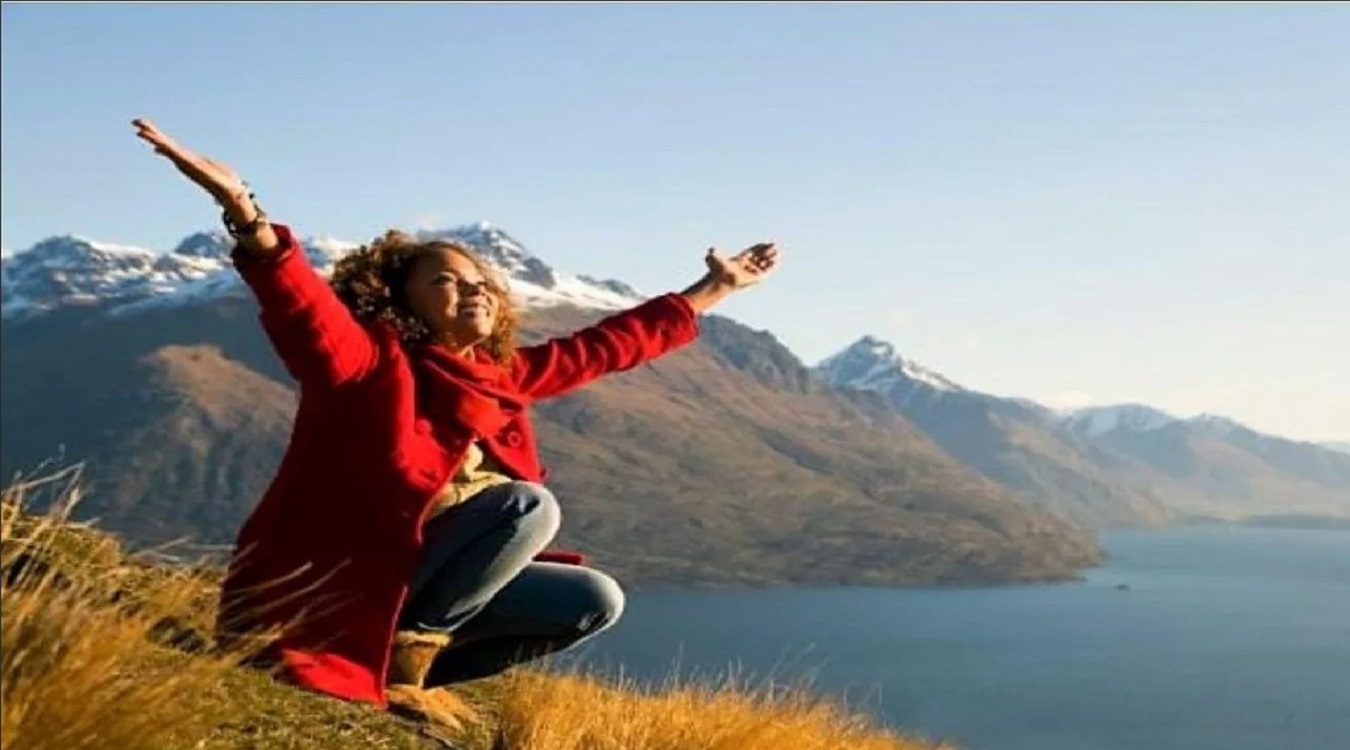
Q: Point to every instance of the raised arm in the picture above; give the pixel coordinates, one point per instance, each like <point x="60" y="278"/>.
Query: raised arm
<point x="627" y="339"/>
<point x="317" y="338"/>
<point x="617" y="343"/>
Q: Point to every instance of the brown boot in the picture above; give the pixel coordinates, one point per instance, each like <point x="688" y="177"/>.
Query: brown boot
<point x="409" y="663"/>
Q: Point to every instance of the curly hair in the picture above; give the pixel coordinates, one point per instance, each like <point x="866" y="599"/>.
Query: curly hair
<point x="371" y="281"/>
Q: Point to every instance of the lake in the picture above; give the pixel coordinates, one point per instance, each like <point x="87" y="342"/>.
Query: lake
<point x="1226" y="639"/>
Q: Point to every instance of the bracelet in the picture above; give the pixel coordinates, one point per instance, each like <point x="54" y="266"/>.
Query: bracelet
<point x="239" y="231"/>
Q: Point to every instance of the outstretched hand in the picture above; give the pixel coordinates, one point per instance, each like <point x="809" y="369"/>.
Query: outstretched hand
<point x="244" y="219"/>
<point x="221" y="182"/>
<point x="744" y="268"/>
<point x="726" y="275"/>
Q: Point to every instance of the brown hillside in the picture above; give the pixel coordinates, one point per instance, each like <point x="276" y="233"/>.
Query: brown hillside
<point x="724" y="462"/>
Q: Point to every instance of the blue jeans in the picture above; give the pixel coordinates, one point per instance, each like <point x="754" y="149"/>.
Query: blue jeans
<point x="476" y="579"/>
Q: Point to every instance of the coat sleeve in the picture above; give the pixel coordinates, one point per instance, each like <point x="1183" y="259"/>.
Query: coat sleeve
<point x="316" y="336"/>
<point x="619" y="342"/>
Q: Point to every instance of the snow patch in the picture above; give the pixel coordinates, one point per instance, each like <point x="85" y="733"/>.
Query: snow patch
<point x="1099" y="420"/>
<point x="871" y="364"/>
<point x="75" y="270"/>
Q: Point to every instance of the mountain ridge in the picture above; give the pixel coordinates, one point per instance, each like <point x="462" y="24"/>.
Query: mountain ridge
<point x="70" y="269"/>
<point x="1103" y="467"/>
<point x="729" y="460"/>
<point x="1150" y="467"/>
<point x="199" y="265"/>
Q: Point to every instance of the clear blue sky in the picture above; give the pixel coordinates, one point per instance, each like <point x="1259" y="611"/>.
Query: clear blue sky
<point x="1090" y="203"/>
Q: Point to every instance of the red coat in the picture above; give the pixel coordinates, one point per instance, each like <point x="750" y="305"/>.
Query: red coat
<point x="337" y="534"/>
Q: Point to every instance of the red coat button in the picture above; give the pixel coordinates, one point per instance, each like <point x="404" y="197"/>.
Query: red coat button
<point x="513" y="439"/>
<point x="422" y="427"/>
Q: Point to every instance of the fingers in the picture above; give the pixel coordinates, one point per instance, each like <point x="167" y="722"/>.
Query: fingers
<point x="146" y="131"/>
<point x="164" y="145"/>
<point x="760" y="250"/>
<point x="760" y="257"/>
<point x="217" y="179"/>
<point x="746" y="267"/>
<point x="144" y="126"/>
<point x="765" y="258"/>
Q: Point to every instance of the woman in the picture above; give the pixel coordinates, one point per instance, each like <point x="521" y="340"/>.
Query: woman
<point x="399" y="546"/>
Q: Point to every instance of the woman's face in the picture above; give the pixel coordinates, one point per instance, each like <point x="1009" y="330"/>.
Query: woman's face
<point x="448" y="291"/>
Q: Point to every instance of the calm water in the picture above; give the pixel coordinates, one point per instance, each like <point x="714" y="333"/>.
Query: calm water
<point x="1227" y="639"/>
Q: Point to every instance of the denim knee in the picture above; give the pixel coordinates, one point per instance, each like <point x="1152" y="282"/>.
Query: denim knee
<point x="602" y="602"/>
<point x="535" y="509"/>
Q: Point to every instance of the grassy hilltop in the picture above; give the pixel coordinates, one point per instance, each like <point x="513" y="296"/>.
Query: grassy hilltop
<point x="109" y="651"/>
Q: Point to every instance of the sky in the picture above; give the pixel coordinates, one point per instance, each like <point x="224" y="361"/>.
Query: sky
<point x="1081" y="204"/>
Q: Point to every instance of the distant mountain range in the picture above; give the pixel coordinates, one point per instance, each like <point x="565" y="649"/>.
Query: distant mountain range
<point x="68" y="270"/>
<point x="731" y="461"/>
<point x="1106" y="466"/>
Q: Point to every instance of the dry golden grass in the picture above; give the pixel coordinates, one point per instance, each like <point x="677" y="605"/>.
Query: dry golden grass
<point x="579" y="712"/>
<point x="81" y="667"/>
<point x="84" y="664"/>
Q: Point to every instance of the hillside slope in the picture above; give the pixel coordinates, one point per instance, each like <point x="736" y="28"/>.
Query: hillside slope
<point x="723" y="463"/>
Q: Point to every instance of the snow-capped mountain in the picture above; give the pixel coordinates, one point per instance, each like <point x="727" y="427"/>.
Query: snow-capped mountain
<point x="1095" y="421"/>
<point x="531" y="277"/>
<point x="1339" y="447"/>
<point x="70" y="270"/>
<point x="870" y="364"/>
<point x="1125" y="464"/>
<point x="1014" y="442"/>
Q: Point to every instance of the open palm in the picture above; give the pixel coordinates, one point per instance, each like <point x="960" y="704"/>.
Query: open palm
<point x="215" y="178"/>
<point x="744" y="268"/>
